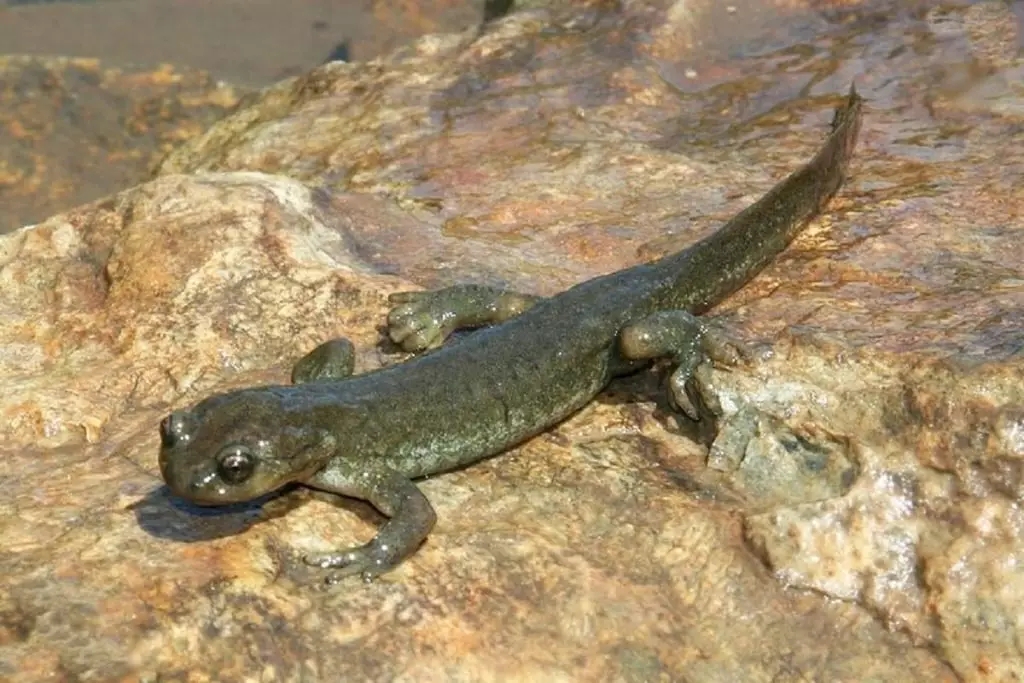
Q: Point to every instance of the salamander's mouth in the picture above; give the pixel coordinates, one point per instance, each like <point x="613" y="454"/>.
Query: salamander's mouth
<point x="167" y="472"/>
<point x="205" y="503"/>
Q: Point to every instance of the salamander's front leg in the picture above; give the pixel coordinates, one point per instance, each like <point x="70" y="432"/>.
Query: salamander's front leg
<point x="334" y="359"/>
<point x="410" y="520"/>
<point x="423" y="320"/>
<point x="683" y="337"/>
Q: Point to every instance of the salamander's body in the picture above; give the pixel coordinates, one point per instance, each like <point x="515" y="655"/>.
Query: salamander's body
<point x="370" y="435"/>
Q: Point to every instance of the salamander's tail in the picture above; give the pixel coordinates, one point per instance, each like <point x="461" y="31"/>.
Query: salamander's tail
<point x="721" y="263"/>
<point x="834" y="158"/>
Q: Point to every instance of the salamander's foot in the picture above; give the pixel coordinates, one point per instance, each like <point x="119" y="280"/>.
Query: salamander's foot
<point x="420" y="321"/>
<point x="688" y="340"/>
<point x="368" y="561"/>
<point x="715" y="347"/>
<point x="423" y="320"/>
<point x="335" y="359"/>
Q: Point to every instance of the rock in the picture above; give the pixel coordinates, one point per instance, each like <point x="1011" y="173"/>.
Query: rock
<point x="340" y="53"/>
<point x="883" y="382"/>
<point x="74" y="130"/>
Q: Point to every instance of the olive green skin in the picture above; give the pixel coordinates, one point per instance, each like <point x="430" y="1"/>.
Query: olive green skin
<point x="370" y="435"/>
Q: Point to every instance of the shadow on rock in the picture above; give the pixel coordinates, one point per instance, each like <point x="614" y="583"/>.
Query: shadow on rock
<point x="163" y="515"/>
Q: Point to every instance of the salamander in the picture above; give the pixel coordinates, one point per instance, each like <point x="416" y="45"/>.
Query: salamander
<point x="534" y="362"/>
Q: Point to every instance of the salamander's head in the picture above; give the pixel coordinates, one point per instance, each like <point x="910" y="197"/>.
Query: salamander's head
<point x="238" y="446"/>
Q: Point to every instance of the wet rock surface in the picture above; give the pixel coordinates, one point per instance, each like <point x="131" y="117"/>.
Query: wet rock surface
<point x="848" y="510"/>
<point x="245" y="42"/>
<point x="74" y="130"/>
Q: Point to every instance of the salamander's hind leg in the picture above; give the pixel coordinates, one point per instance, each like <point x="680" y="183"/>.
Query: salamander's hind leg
<point x="685" y="338"/>
<point x="334" y="359"/>
<point x="423" y="320"/>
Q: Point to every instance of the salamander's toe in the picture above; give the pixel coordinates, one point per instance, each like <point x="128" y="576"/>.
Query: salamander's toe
<point x="362" y="560"/>
<point x="420" y="320"/>
<point x="721" y="348"/>
<point x="414" y="329"/>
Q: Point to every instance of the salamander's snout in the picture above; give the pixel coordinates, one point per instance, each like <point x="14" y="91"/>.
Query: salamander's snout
<point x="176" y="431"/>
<point x="176" y="428"/>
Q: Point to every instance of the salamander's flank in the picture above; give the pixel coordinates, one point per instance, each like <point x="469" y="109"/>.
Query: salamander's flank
<point x="536" y="362"/>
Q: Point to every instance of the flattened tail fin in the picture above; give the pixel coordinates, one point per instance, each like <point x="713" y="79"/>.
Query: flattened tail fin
<point x="838" y="150"/>
<point x="849" y="110"/>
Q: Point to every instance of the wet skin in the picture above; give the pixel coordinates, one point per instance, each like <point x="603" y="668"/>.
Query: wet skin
<point x="540" y="360"/>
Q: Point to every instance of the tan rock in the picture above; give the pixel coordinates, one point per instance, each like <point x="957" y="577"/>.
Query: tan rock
<point x="884" y="385"/>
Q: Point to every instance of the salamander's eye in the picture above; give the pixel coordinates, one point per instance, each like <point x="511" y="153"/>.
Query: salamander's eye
<point x="235" y="463"/>
<point x="176" y="427"/>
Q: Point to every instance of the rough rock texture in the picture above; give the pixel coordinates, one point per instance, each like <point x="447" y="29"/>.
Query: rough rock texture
<point x="73" y="130"/>
<point x="857" y="516"/>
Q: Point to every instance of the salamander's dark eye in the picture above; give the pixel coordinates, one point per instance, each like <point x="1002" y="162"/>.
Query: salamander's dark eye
<point x="235" y="464"/>
<point x="176" y="427"/>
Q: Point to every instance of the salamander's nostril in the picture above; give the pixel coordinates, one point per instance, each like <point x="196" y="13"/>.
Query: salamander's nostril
<point x="175" y="428"/>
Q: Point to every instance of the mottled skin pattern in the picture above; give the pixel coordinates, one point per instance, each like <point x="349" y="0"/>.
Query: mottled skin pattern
<point x="369" y="436"/>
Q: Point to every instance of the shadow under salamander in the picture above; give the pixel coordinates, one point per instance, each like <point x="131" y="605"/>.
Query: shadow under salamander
<point x="163" y="515"/>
